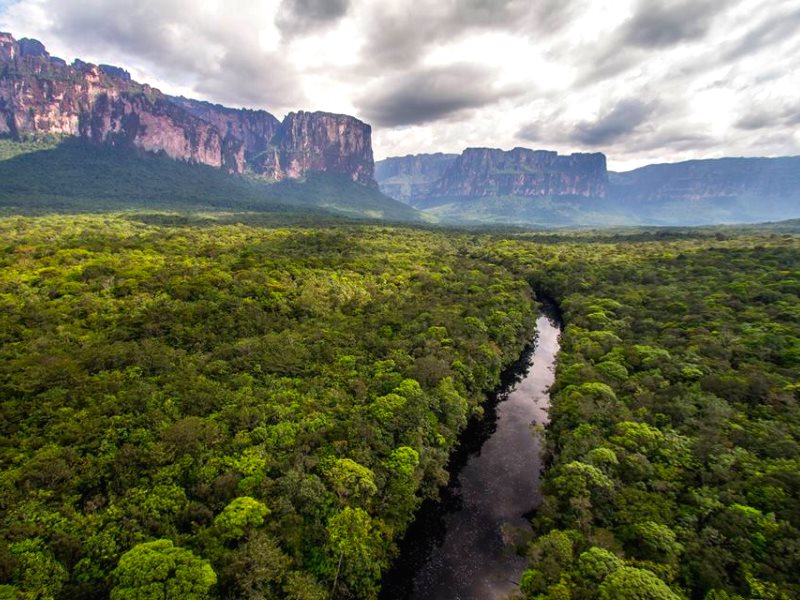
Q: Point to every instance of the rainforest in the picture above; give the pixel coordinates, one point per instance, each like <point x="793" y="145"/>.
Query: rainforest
<point x="216" y="407"/>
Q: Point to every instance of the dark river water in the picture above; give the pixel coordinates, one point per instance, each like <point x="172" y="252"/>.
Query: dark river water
<point x="462" y="548"/>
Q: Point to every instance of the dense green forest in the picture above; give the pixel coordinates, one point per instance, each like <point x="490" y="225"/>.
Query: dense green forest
<point x="199" y="409"/>
<point x="254" y="412"/>
<point x="675" y="433"/>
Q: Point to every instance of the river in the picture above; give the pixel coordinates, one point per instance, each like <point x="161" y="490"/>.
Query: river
<point x="462" y="548"/>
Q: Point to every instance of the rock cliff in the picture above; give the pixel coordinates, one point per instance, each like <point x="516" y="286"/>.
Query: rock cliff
<point x="303" y="142"/>
<point x="411" y="178"/>
<point x="319" y="141"/>
<point x="255" y="128"/>
<point x="482" y="172"/>
<point x="489" y="172"/>
<point x="42" y="95"/>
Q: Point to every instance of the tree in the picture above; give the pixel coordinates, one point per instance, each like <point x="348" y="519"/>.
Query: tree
<point x="351" y="480"/>
<point x="240" y="515"/>
<point x="159" y="570"/>
<point x="357" y="548"/>
<point x="630" y="583"/>
<point x="38" y="573"/>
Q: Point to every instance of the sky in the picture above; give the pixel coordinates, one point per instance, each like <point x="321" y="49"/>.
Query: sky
<point x="643" y="81"/>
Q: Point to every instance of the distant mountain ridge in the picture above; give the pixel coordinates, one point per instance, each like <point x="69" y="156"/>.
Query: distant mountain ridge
<point x="711" y="179"/>
<point x="42" y="95"/>
<point x="522" y="186"/>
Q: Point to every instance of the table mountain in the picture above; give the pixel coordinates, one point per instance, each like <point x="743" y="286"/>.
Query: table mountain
<point x="411" y="178"/>
<point x="41" y="95"/>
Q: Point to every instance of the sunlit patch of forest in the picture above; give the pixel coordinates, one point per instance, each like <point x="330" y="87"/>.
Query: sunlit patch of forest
<point x="193" y="409"/>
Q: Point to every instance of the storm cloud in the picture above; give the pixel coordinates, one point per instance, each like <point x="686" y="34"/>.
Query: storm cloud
<point x="620" y="120"/>
<point x="641" y="80"/>
<point x="661" y="23"/>
<point x="399" y="34"/>
<point x="304" y="16"/>
<point x="424" y="96"/>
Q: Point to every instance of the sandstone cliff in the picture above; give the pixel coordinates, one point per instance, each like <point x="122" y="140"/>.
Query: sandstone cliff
<point x="482" y="172"/>
<point x="411" y="178"/>
<point x="489" y="172"/>
<point x="255" y="128"/>
<point x="42" y="95"/>
<point x="318" y="141"/>
<point x="304" y="142"/>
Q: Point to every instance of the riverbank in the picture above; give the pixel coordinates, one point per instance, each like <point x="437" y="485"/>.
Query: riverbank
<point x="462" y="547"/>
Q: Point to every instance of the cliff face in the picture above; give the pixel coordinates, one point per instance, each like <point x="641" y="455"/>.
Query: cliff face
<point x="712" y="179"/>
<point x="318" y="141"/>
<point x="255" y="128"/>
<point x="40" y="94"/>
<point x="483" y="172"/>
<point x="304" y="142"/>
<point x="489" y="172"/>
<point x="411" y="178"/>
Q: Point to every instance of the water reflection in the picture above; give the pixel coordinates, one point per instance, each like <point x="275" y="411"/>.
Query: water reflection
<point x="463" y="547"/>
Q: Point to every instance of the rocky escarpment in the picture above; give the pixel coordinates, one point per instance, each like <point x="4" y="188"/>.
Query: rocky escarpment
<point x="303" y="142"/>
<point x="42" y="95"/>
<point x="484" y="172"/>
<point x="255" y="128"/>
<point x="712" y="179"/>
<point x="319" y="141"/>
<point x="489" y="172"/>
<point x="411" y="178"/>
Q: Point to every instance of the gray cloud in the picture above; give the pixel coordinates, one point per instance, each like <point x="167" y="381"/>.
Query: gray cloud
<point x="659" y="23"/>
<point x="532" y="132"/>
<point x="671" y="137"/>
<point x="304" y="16"/>
<point x="655" y="27"/>
<point x="620" y="120"/>
<point x="773" y="29"/>
<point x="216" y="56"/>
<point x="770" y="115"/>
<point x="423" y="96"/>
<point x="398" y="36"/>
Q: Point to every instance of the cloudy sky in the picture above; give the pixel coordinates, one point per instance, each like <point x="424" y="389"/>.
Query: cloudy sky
<point x="641" y="80"/>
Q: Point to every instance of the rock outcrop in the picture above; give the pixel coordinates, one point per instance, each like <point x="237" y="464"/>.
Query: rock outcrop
<point x="489" y="172"/>
<point x="255" y="128"/>
<point x="117" y="72"/>
<point x="303" y="142"/>
<point x="42" y="95"/>
<point x="411" y="178"/>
